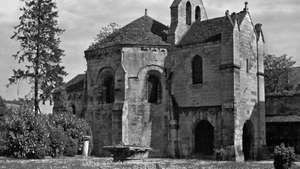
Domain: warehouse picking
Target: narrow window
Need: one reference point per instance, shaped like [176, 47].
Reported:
[198, 13]
[188, 13]
[154, 89]
[197, 70]
[247, 65]
[108, 89]
[73, 109]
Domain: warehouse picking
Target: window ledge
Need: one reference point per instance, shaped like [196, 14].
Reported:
[197, 86]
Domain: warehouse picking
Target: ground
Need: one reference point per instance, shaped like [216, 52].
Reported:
[106, 163]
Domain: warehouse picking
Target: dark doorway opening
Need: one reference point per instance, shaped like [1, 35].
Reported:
[204, 138]
[154, 89]
[73, 109]
[248, 137]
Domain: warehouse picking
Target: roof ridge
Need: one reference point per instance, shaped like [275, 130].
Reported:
[143, 30]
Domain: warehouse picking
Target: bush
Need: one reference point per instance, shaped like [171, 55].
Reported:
[283, 157]
[3, 147]
[220, 154]
[71, 147]
[58, 141]
[33, 136]
[27, 135]
[75, 128]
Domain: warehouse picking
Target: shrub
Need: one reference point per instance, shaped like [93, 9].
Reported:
[73, 126]
[27, 135]
[220, 154]
[34, 136]
[58, 141]
[283, 157]
[3, 147]
[71, 148]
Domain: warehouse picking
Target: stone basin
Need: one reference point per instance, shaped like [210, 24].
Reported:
[128, 152]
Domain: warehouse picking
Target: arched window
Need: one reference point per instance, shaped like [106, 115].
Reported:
[197, 70]
[198, 13]
[108, 89]
[188, 13]
[73, 109]
[105, 87]
[154, 89]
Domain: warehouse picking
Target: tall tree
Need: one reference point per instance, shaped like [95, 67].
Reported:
[39, 54]
[104, 32]
[276, 73]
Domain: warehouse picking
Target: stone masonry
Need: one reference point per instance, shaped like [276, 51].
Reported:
[185, 91]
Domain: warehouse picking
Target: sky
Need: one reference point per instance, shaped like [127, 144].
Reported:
[82, 19]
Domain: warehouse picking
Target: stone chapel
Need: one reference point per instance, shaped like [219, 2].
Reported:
[184, 90]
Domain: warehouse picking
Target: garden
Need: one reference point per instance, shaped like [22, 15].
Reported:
[54, 141]
[26, 135]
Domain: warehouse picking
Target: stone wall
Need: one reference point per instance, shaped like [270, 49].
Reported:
[144, 123]
[249, 93]
[104, 118]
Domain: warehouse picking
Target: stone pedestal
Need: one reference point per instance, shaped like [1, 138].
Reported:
[86, 141]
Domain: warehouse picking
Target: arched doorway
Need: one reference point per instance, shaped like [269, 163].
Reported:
[159, 135]
[204, 138]
[248, 137]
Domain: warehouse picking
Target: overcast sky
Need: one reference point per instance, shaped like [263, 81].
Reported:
[82, 19]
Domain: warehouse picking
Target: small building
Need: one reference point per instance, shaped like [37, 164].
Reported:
[71, 96]
[283, 114]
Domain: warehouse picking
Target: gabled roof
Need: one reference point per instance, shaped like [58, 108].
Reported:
[203, 31]
[76, 79]
[75, 84]
[210, 30]
[142, 31]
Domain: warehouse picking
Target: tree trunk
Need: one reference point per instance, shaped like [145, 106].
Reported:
[36, 68]
[36, 86]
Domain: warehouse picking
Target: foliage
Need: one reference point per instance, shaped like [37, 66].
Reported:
[27, 135]
[3, 147]
[75, 128]
[58, 141]
[38, 34]
[71, 147]
[104, 33]
[220, 154]
[3, 111]
[276, 73]
[31, 136]
[283, 157]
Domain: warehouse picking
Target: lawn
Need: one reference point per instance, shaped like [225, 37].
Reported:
[106, 163]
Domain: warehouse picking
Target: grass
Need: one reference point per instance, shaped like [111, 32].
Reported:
[101, 163]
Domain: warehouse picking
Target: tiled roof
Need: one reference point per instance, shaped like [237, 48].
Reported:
[202, 31]
[75, 84]
[76, 79]
[142, 31]
[210, 30]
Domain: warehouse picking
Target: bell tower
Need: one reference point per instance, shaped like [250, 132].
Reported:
[183, 14]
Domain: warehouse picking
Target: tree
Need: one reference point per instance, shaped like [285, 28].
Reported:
[276, 73]
[104, 33]
[38, 34]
